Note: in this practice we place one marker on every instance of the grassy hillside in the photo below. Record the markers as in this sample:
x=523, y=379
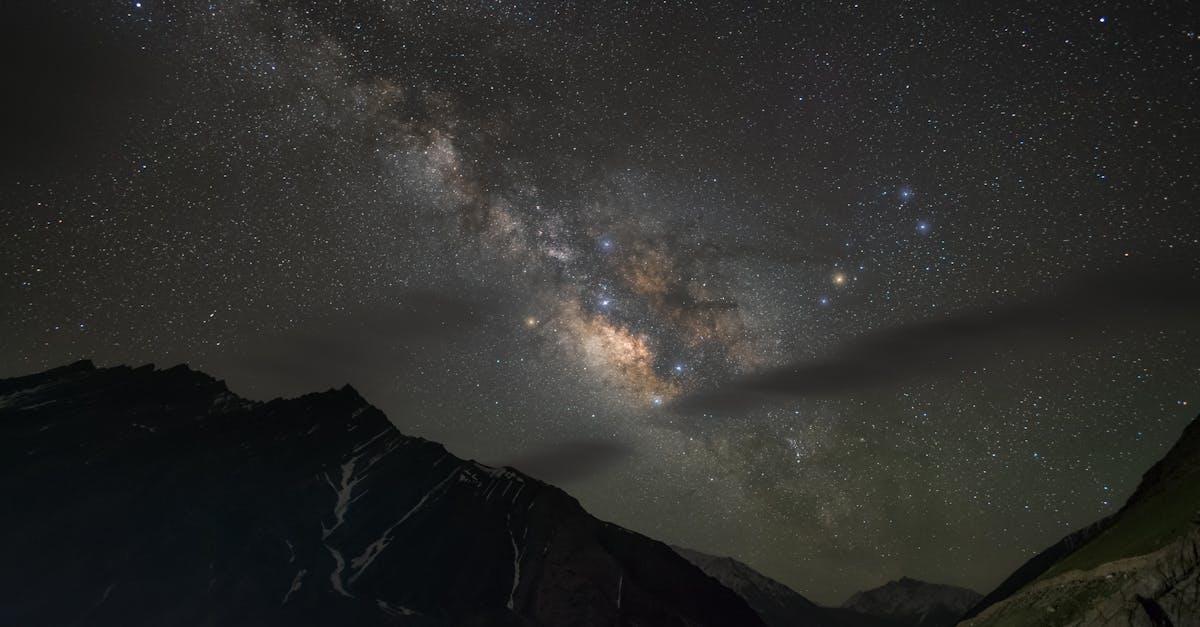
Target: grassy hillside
x=1145, y=527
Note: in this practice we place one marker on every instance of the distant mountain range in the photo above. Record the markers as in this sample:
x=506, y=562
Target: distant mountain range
x=139, y=496
x=916, y=603
x=904, y=603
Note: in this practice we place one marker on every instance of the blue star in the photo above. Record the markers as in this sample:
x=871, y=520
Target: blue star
x=923, y=227
x=678, y=368
x=824, y=300
x=607, y=244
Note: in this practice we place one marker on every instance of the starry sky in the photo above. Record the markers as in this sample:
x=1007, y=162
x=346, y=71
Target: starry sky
x=845, y=290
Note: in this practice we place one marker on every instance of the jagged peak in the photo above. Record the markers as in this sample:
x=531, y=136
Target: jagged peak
x=905, y=580
x=350, y=392
x=184, y=371
x=82, y=365
x=345, y=395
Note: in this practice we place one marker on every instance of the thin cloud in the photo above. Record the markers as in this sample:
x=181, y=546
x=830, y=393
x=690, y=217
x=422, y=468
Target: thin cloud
x=1113, y=303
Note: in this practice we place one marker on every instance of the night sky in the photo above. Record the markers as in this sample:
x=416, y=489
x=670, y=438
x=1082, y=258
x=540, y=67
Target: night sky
x=846, y=290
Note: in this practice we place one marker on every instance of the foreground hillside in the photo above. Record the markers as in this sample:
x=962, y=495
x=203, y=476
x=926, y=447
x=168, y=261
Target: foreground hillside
x=1140, y=566
x=157, y=497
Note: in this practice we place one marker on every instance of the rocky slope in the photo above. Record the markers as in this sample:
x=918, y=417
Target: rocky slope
x=1039, y=564
x=1140, y=566
x=139, y=496
x=914, y=602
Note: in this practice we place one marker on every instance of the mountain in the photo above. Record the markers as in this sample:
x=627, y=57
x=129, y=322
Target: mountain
x=777, y=604
x=1140, y=566
x=158, y=497
x=1039, y=564
x=914, y=603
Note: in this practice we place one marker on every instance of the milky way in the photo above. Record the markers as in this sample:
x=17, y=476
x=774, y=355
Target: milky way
x=845, y=291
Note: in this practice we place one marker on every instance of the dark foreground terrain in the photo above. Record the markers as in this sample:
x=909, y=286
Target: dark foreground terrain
x=157, y=497
x=137, y=496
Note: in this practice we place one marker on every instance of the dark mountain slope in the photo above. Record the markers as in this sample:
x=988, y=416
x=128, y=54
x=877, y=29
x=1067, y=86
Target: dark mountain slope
x=137, y=496
x=1039, y=564
x=1138, y=566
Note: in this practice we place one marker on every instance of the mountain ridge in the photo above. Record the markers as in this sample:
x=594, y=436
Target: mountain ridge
x=159, y=496
x=778, y=604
